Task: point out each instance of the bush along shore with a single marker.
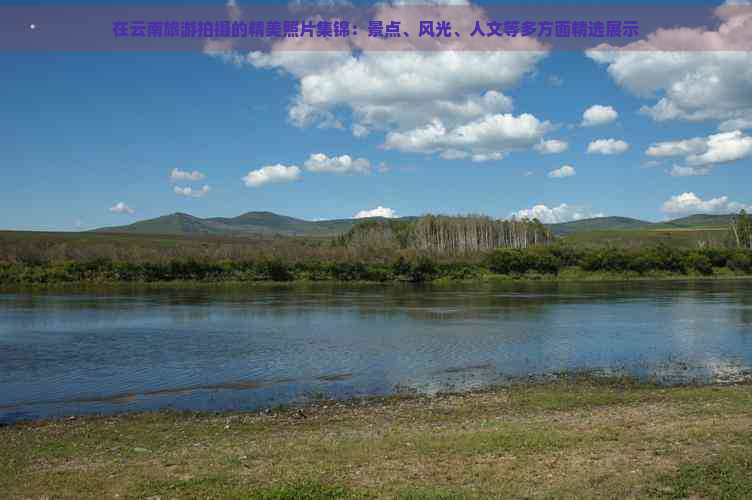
(545, 262)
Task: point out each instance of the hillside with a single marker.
(698, 221)
(247, 224)
(598, 224)
(255, 224)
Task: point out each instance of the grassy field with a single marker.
(682, 238)
(576, 438)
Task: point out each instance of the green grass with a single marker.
(680, 238)
(728, 478)
(577, 437)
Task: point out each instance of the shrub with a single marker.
(277, 270)
(424, 270)
(699, 263)
(741, 261)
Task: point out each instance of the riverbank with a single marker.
(555, 262)
(567, 276)
(580, 438)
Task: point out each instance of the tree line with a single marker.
(449, 235)
(740, 230)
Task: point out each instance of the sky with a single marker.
(91, 139)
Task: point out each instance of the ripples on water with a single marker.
(245, 348)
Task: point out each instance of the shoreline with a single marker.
(490, 279)
(576, 437)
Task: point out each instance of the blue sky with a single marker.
(81, 132)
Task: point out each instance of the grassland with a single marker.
(574, 438)
(675, 237)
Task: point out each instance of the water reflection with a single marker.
(232, 347)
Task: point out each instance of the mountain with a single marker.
(597, 224)
(699, 221)
(255, 224)
(251, 224)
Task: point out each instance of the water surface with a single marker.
(216, 348)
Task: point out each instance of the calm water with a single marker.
(244, 348)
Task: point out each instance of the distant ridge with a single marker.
(249, 224)
(598, 224)
(267, 224)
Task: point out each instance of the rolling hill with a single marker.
(249, 224)
(260, 224)
(598, 224)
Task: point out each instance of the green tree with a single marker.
(741, 230)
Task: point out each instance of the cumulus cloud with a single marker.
(607, 146)
(706, 151)
(365, 85)
(377, 88)
(694, 73)
(735, 124)
(398, 89)
(190, 192)
(553, 215)
(551, 146)
(345, 164)
(488, 137)
(121, 208)
(376, 212)
(598, 115)
(403, 88)
(564, 171)
(271, 174)
(689, 203)
(178, 175)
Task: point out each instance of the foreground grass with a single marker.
(583, 439)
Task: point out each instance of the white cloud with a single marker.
(385, 89)
(551, 146)
(680, 171)
(453, 154)
(359, 130)
(365, 85)
(562, 213)
(564, 171)
(735, 124)
(121, 208)
(598, 115)
(706, 151)
(489, 136)
(399, 89)
(319, 162)
(484, 157)
(189, 191)
(677, 148)
(271, 174)
(694, 73)
(607, 146)
(178, 175)
(689, 203)
(376, 212)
